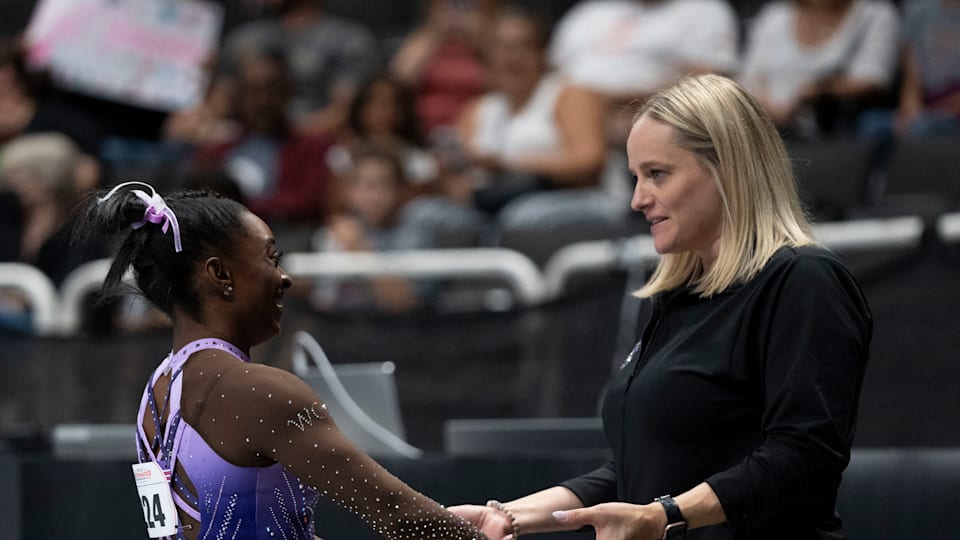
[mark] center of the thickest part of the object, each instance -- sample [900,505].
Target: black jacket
[753,391]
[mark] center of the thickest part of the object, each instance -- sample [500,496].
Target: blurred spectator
[930,90]
[629,49]
[281,170]
[816,63]
[40,170]
[374,193]
[441,59]
[210,122]
[28,105]
[382,114]
[160,160]
[328,57]
[37,187]
[534,132]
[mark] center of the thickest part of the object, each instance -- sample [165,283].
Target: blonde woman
[733,416]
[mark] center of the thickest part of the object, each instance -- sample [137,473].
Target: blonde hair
[50,158]
[716,119]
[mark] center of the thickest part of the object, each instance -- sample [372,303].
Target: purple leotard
[230,501]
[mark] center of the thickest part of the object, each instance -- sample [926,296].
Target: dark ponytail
[209,224]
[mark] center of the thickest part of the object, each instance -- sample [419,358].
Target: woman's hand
[489,163]
[496,525]
[618,521]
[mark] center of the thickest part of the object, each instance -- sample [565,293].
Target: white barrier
[84,279]
[595,256]
[53,314]
[513,267]
[518,271]
[39,291]
[898,232]
[844,236]
[948,227]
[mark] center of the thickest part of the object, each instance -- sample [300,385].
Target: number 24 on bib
[155,500]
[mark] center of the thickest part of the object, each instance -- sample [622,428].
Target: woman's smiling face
[676,192]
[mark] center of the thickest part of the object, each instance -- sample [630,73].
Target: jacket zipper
[656,316]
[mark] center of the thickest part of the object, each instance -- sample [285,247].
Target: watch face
[675,531]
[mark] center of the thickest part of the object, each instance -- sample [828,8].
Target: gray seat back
[362,398]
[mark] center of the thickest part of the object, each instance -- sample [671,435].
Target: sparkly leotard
[230,501]
[234,411]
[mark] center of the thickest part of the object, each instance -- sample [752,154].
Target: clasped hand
[612,521]
[618,521]
[495,525]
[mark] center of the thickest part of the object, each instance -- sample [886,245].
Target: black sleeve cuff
[731,498]
[595,487]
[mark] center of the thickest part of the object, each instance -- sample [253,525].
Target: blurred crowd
[486,117]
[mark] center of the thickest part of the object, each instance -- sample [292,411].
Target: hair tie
[157,211]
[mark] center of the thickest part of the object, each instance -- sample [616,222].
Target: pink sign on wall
[145,52]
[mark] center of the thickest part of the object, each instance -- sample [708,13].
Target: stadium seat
[498,436]
[361,398]
[832,175]
[923,176]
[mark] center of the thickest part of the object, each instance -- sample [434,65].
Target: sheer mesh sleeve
[256,415]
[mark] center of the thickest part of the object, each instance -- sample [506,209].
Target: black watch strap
[676,524]
[673,510]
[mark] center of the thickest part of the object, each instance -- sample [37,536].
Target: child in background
[382,115]
[374,193]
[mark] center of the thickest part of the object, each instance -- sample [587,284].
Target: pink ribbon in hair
[157,211]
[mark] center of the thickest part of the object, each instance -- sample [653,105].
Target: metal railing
[512,267]
[846,236]
[79,284]
[948,228]
[54,313]
[476,263]
[38,290]
[596,256]
[856,235]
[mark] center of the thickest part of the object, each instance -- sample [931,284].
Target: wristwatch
[676,525]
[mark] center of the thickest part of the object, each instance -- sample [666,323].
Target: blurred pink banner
[150,53]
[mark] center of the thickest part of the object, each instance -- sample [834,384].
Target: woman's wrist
[701,506]
[499,507]
[534,512]
[660,515]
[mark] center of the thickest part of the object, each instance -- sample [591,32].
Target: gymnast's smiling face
[249,284]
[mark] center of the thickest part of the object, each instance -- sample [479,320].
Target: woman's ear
[218,276]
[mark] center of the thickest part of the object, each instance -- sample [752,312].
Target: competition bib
[155,499]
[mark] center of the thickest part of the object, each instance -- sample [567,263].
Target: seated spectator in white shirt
[804,53]
[929,102]
[629,49]
[534,131]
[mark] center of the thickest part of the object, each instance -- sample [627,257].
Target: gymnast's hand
[496,525]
